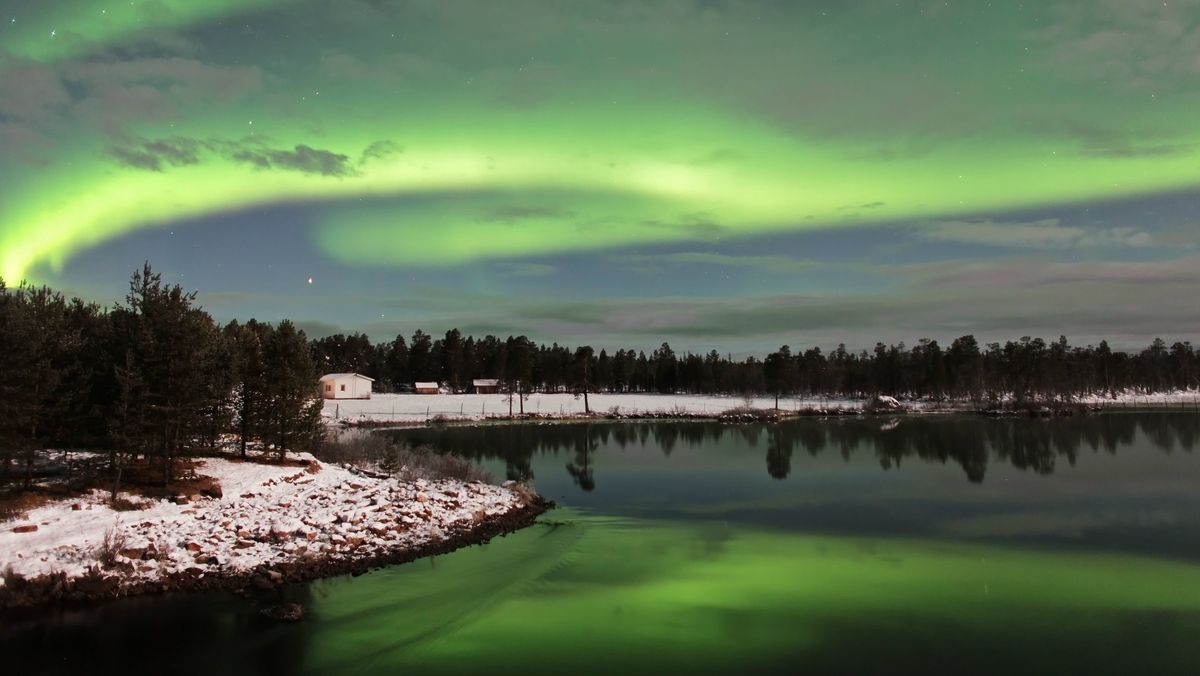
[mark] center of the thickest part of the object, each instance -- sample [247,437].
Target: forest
[155,376]
[1023,370]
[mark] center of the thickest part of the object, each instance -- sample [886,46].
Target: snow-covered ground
[267,514]
[417,407]
[1185,398]
[410,408]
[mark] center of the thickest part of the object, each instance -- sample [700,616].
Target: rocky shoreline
[258,525]
[30,593]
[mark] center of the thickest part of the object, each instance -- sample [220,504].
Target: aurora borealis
[730,173]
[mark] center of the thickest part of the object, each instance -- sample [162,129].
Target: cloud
[1134,44]
[528,270]
[154,155]
[1127,151]
[302,158]
[160,154]
[774,264]
[112,94]
[1024,274]
[1044,234]
[380,150]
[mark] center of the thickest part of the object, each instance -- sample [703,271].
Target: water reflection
[971,443]
[1075,540]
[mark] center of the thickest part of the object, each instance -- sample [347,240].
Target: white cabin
[485,385]
[345,386]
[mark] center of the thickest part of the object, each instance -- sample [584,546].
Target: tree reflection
[970,442]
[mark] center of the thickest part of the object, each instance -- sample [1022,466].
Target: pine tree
[292,415]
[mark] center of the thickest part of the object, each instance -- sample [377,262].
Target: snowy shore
[272,524]
[404,409]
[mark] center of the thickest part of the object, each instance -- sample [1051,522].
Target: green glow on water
[605,593]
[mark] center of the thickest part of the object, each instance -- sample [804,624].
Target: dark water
[856,546]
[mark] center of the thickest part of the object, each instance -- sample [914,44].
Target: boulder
[26,528]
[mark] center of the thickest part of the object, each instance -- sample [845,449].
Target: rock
[135,553]
[244,544]
[355,540]
[421,497]
[182,499]
[212,492]
[286,612]
[193,547]
[884,403]
[311,536]
[76,507]
[242,533]
[275,576]
[27,528]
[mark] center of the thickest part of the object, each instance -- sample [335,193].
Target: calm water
[855,546]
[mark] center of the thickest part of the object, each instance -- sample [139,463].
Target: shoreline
[274,526]
[768,415]
[32,594]
[406,410]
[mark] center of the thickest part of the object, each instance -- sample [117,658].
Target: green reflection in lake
[602,594]
[917,545]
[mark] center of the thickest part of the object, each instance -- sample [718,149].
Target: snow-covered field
[410,408]
[417,407]
[267,514]
[1185,398]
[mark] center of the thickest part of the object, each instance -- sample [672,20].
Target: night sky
[730,174]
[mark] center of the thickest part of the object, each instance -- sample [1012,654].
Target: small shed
[345,386]
[485,385]
[426,388]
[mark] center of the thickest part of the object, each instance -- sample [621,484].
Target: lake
[877,545]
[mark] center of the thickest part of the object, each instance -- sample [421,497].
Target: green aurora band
[622,138]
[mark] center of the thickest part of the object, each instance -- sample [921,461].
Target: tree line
[153,378]
[1025,369]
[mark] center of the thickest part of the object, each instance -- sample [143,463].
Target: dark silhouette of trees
[1027,369]
[151,379]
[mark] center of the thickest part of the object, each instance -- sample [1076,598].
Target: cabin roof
[335,376]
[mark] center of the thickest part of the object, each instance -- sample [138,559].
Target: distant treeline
[1025,369]
[153,377]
